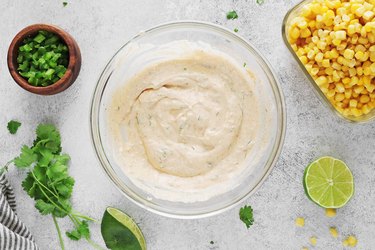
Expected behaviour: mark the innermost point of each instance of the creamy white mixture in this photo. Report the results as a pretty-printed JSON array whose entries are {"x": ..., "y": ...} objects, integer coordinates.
[{"x": 185, "y": 127}]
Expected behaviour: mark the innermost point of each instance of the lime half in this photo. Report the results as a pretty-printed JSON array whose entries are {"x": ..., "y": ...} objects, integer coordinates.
[
  {"x": 120, "y": 232},
  {"x": 328, "y": 182}
]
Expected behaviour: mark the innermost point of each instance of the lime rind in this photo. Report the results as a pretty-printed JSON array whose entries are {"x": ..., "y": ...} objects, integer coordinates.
[
  {"x": 128, "y": 222},
  {"x": 317, "y": 188}
]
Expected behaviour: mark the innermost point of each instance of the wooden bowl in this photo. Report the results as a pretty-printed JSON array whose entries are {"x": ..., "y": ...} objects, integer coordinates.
[{"x": 73, "y": 68}]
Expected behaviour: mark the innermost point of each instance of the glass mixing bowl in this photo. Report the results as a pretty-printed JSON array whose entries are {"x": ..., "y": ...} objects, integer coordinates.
[{"x": 125, "y": 63}]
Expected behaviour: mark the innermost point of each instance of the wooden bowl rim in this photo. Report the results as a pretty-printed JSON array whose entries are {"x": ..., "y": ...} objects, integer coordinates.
[{"x": 29, "y": 31}]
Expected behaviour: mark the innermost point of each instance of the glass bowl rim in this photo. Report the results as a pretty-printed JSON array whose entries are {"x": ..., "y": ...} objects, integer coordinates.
[{"x": 99, "y": 91}]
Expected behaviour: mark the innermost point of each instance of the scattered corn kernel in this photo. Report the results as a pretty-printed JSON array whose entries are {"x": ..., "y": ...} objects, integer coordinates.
[
  {"x": 300, "y": 222},
  {"x": 334, "y": 40},
  {"x": 350, "y": 241},
  {"x": 333, "y": 232},
  {"x": 313, "y": 240},
  {"x": 330, "y": 212}
]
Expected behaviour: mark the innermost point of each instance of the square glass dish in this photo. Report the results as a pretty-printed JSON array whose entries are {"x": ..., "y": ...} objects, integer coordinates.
[{"x": 290, "y": 20}]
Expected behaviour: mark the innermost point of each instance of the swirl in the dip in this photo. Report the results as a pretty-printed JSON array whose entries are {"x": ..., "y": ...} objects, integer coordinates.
[{"x": 184, "y": 127}]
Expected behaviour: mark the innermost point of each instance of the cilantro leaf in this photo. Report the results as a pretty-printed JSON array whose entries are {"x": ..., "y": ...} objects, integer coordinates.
[
  {"x": 45, "y": 157},
  {"x": 260, "y": 2},
  {"x": 13, "y": 126},
  {"x": 232, "y": 15},
  {"x": 65, "y": 187},
  {"x": 82, "y": 231},
  {"x": 50, "y": 135},
  {"x": 26, "y": 158},
  {"x": 73, "y": 235},
  {"x": 246, "y": 215},
  {"x": 44, "y": 207},
  {"x": 65, "y": 4}
]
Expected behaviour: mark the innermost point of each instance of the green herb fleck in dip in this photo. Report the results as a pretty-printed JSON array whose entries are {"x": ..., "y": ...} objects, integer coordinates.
[{"x": 42, "y": 59}]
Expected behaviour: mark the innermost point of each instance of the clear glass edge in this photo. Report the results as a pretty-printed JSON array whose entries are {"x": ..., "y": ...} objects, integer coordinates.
[
  {"x": 105, "y": 165},
  {"x": 362, "y": 119}
]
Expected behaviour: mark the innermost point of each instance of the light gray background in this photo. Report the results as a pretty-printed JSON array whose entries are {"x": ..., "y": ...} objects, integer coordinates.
[{"x": 100, "y": 28}]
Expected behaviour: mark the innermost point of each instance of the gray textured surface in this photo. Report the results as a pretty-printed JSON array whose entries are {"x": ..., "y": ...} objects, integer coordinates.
[{"x": 100, "y": 28}]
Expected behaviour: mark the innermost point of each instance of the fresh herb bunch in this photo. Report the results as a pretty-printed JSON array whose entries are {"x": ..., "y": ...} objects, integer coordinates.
[
  {"x": 246, "y": 215},
  {"x": 49, "y": 183},
  {"x": 43, "y": 59}
]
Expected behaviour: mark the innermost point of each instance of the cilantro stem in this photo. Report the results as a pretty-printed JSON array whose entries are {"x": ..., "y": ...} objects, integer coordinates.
[
  {"x": 44, "y": 193},
  {"x": 5, "y": 168},
  {"x": 74, "y": 220},
  {"x": 42, "y": 185},
  {"x": 94, "y": 245},
  {"x": 76, "y": 214},
  {"x": 58, "y": 232}
]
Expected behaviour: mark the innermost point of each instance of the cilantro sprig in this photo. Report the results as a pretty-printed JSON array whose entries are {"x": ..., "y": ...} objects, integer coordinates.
[
  {"x": 246, "y": 215},
  {"x": 49, "y": 183}
]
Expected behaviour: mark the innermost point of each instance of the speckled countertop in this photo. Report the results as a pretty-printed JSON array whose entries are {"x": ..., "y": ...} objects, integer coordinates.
[{"x": 100, "y": 28}]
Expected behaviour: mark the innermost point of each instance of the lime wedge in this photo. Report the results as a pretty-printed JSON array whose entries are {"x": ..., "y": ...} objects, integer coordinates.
[
  {"x": 328, "y": 182},
  {"x": 120, "y": 232}
]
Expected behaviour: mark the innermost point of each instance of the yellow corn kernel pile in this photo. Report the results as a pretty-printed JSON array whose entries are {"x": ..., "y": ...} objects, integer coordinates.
[{"x": 335, "y": 40}]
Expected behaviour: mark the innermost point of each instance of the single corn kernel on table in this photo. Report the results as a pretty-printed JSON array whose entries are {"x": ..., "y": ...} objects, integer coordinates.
[{"x": 100, "y": 28}]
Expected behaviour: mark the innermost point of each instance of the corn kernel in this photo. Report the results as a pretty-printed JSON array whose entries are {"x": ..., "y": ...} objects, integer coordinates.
[
  {"x": 339, "y": 97},
  {"x": 313, "y": 240},
  {"x": 331, "y": 212},
  {"x": 360, "y": 11},
  {"x": 333, "y": 232},
  {"x": 358, "y": 89},
  {"x": 314, "y": 71},
  {"x": 351, "y": 241},
  {"x": 348, "y": 93},
  {"x": 302, "y": 24},
  {"x": 305, "y": 33},
  {"x": 366, "y": 109},
  {"x": 368, "y": 6},
  {"x": 359, "y": 55},
  {"x": 356, "y": 112},
  {"x": 353, "y": 103},
  {"x": 321, "y": 80},
  {"x": 300, "y": 222},
  {"x": 349, "y": 54},
  {"x": 303, "y": 59},
  {"x": 295, "y": 33},
  {"x": 345, "y": 243},
  {"x": 340, "y": 34},
  {"x": 325, "y": 63},
  {"x": 368, "y": 15},
  {"x": 319, "y": 57},
  {"x": 364, "y": 99}
]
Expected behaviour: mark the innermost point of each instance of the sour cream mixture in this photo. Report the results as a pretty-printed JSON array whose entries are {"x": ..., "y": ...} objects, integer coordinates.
[{"x": 185, "y": 127}]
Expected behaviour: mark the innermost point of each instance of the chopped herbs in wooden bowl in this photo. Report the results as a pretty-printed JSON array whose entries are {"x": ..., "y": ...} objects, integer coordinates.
[{"x": 42, "y": 59}]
